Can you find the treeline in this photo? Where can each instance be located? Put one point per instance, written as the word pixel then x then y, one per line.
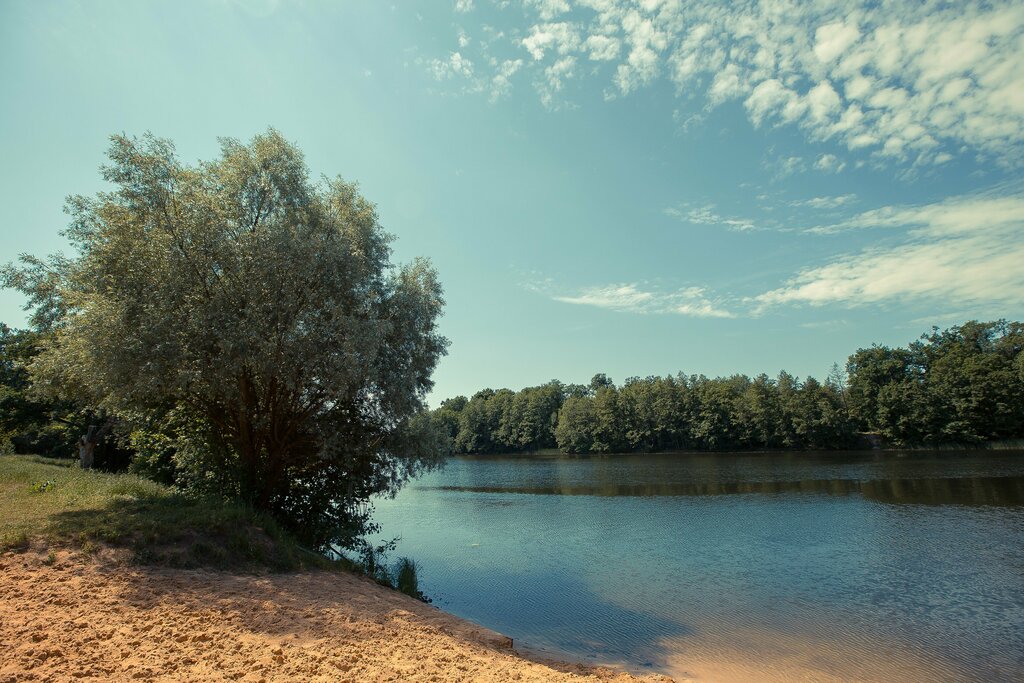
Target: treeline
pixel 964 385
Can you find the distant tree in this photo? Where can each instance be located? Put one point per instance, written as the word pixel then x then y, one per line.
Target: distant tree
pixel 639 422
pixel 474 425
pixel 759 416
pixel 973 385
pixel 502 421
pixel 455 404
pixel 600 381
pixel 869 370
pixel 837 380
pixel 962 385
pixel 575 390
pixel 258 315
pixel 448 415
pixel 609 432
pixel 714 425
pixel 577 424
pixel 820 420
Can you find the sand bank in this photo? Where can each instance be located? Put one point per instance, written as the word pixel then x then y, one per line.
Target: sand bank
pixel 81 619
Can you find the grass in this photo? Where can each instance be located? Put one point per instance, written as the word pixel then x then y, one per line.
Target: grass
pixel 55 503
pixel 406 579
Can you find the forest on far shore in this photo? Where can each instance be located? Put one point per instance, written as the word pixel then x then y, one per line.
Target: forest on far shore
pixel 963 386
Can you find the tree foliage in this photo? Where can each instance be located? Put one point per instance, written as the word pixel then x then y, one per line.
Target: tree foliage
pixel 251 317
pixel 27 422
pixel 651 414
pixel 963 385
pixel 38 422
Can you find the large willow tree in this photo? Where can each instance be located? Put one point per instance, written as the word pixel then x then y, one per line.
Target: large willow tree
pixel 255 316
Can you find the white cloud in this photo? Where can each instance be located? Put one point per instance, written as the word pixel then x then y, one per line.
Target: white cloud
pixel 563 38
pixel 829 163
pixel 603 48
pixel 957 215
pixel 771 98
pixel 963 251
pixel 823 102
pixel 630 298
pixel 555 77
pixel 825 202
pixel 501 82
pixel 908 81
pixel 784 166
pixel 706 215
pixel 463 6
pixel 831 40
pixel 616 297
pixel 646 42
pixel 455 65
pixel 549 9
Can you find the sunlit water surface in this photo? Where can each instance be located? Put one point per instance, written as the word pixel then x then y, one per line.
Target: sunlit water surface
pixel 769 567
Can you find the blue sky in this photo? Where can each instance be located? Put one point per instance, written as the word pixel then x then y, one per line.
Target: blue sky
pixel 605 186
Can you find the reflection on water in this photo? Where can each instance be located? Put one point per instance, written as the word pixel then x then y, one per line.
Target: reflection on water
pixel 974 491
pixel 854 566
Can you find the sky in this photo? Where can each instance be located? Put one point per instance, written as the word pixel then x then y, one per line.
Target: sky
pixel 629 187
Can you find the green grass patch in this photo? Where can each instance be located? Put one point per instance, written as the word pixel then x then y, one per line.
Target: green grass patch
pixel 57 503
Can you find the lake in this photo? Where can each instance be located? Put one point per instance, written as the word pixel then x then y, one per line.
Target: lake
pixel 868 566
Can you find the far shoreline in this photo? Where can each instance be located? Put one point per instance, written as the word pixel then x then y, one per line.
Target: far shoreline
pixel 988 447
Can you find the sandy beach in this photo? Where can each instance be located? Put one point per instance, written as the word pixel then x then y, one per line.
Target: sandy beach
pixel 76 618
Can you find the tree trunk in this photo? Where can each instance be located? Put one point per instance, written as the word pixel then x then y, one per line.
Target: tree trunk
pixel 87 447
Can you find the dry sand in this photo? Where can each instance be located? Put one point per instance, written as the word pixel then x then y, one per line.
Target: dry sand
pixel 80 619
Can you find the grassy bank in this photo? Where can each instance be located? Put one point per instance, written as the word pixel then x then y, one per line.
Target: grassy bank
pixel 53 502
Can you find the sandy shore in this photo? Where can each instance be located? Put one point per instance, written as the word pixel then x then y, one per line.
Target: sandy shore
pixel 80 619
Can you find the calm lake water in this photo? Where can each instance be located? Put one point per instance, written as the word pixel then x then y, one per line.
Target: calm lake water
pixel 812 566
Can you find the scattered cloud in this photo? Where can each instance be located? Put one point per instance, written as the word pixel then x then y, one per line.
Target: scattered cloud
pixel 907 82
pixel 785 166
pixel 832 40
pixel 971 214
pixel 463 6
pixel 965 252
pixel 555 77
pixel 501 81
pixel 961 251
pixel 455 66
pixel 829 163
pixel 825 202
pixel 549 9
pixel 602 48
pixel 705 215
pixel 625 297
pixel 561 39
pixel 631 298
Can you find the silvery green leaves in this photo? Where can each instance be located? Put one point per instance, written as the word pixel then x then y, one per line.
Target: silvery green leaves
pixel 242 296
